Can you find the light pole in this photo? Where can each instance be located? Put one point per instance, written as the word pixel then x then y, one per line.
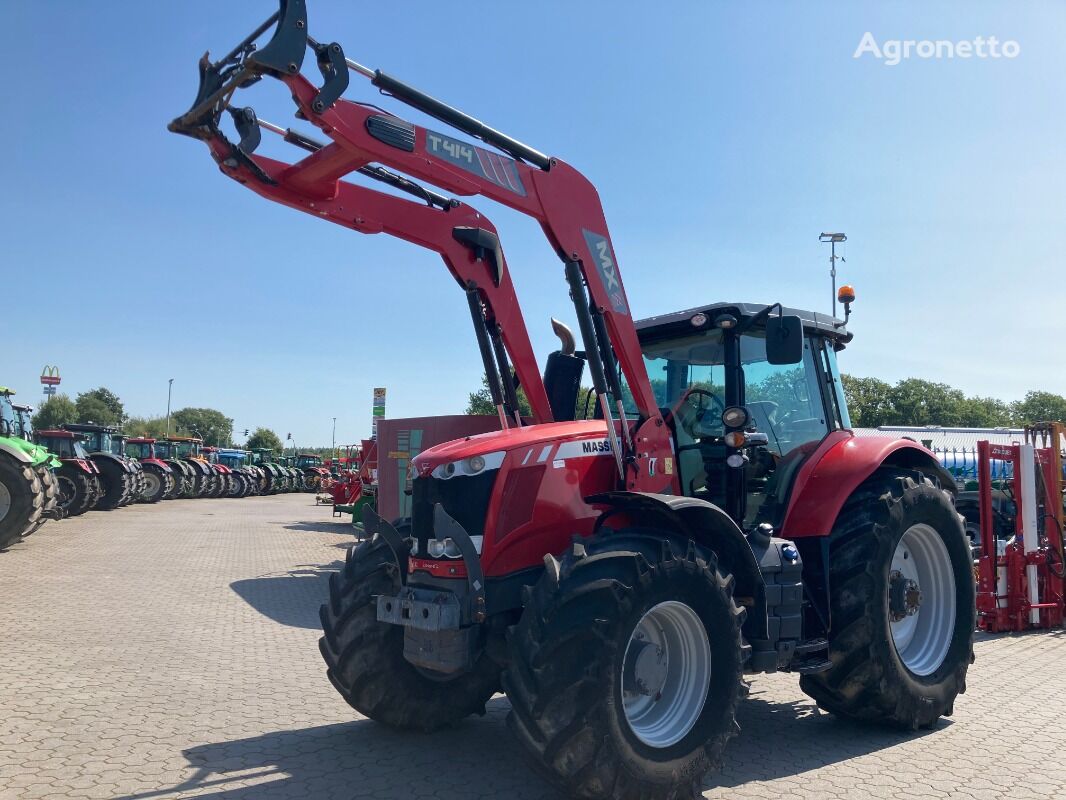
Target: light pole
pixel 833 238
pixel 333 449
pixel 170 386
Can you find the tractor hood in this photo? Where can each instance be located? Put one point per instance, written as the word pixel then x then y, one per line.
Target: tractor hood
pixel 526 439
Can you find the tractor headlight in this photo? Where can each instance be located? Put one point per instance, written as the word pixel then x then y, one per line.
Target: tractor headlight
pixel 735 417
pixel 736 460
pixel 449 548
pixel 474 465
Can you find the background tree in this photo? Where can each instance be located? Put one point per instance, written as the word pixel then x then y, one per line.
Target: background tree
pixel 480 402
pixel 55 412
pixel 154 427
pixel 1039 407
pixel 869 401
pixel 263 437
pixel 214 426
pixel 101 406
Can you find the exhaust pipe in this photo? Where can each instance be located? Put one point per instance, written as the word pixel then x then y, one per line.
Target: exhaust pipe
pixel 567 343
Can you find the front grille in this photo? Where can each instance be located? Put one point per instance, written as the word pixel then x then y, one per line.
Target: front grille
pixel 465 498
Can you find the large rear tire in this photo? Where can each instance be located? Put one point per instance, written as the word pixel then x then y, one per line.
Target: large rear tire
pixel 364 657
pixel 902 608
pixel 627 667
pixel 77 490
pixel 21 499
pixel 157 484
pixel 116 486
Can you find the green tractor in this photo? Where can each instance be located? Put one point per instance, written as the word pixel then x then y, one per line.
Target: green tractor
pixel 28 492
pixel 205 480
pixel 277 478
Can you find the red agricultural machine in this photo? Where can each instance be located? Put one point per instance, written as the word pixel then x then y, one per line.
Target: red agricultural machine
pixel 356 484
pixel 618 576
pixel 162 478
pixel 1021 581
pixel 78 480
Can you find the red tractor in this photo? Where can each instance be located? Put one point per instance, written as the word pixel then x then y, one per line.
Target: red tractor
pixel 78 480
pixel 161 479
pixel 618 576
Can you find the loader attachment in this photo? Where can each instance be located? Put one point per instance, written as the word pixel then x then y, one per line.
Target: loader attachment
pixel 364 137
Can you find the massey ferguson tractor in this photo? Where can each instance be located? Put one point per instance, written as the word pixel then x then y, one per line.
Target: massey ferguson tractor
pixel 618 576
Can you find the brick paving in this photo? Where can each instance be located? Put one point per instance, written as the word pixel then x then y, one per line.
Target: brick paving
pixel 170 651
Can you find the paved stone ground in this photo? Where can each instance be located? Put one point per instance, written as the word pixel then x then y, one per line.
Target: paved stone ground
pixel 171 651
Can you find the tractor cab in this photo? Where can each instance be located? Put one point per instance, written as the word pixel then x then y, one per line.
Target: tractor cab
pixel 234 459
pixel 65 444
pixel 98 438
pixel 8 417
pixel 185 447
pixel 305 460
pixel 141 448
pixel 749 392
pixel 23 421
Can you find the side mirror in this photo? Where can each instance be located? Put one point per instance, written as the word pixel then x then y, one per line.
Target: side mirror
pixel 784 340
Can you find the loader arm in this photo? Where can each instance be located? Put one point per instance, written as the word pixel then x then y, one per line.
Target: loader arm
pixel 558 196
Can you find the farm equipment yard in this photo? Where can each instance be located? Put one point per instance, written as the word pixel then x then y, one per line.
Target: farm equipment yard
pixel 202 679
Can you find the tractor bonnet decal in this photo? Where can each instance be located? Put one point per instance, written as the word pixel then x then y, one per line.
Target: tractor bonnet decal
pixel 499 169
pixel 584 448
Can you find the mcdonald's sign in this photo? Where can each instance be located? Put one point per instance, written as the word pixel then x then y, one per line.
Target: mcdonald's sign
pixel 50 375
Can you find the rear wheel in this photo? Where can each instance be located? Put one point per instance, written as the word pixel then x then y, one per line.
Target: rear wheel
pixel 626 668
pixel 21 499
pixel 364 657
pixel 116 486
pixel 902 605
pixel 77 490
pixel 156 484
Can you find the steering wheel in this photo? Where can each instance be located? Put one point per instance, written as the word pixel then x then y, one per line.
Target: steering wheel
pixel 696 412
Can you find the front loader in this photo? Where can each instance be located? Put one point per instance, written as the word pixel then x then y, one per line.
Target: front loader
pixel 616 576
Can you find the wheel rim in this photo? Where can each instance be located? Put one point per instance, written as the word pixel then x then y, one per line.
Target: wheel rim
pixel 151 483
pixel 666 672
pixel 5 501
pixel 922 603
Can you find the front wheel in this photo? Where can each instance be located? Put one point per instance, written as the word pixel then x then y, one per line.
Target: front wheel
pixel 364 657
pixel 902 605
pixel 77 490
pixel 627 668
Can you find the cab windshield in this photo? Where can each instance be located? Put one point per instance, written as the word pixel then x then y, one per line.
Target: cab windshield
pixel 138 451
pixel 785 402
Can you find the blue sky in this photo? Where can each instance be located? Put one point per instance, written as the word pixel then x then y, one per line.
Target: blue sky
pixel 723 137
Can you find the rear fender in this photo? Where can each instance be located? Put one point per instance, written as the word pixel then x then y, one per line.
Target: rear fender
pixel 15 452
pixel 119 462
pixel 157 462
pixel 709 527
pixel 837 468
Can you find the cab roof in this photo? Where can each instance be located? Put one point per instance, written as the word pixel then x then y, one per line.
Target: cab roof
pixel 813 322
pixel 90 427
